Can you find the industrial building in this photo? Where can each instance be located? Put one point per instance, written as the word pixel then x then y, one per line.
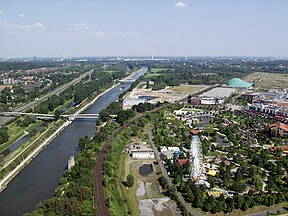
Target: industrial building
pixel 216 95
pixel 141 151
pixel 143 155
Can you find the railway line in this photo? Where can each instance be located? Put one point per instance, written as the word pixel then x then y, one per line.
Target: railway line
pixel 101 204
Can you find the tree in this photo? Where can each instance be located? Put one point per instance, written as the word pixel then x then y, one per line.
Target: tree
pixel 238 175
pixel 190 195
pixel 238 187
pixel 209 129
pixel 129 180
pixel 178 179
pixel 258 183
pixel 279 152
pixel 4 135
pixel 189 99
pixel 58 114
pixel 84 141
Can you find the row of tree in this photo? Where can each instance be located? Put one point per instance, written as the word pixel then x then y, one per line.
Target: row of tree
pixel 4 136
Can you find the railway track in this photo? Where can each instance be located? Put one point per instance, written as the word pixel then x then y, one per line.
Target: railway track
pixel 101 204
pixel 99 190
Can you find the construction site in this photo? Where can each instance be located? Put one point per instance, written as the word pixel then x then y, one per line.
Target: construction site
pixel 141 94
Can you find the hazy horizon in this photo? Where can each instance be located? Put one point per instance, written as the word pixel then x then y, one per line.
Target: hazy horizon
pixel 206 28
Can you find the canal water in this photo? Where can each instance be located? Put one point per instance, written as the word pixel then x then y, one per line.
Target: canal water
pixel 40 178
pixel 23 139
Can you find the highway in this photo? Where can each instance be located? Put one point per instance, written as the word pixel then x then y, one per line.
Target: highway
pixel 4 120
pixel 164 172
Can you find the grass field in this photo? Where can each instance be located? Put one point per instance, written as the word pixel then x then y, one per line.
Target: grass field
pixel 268 80
pixel 149 75
pixel 157 70
pixel 16 132
pixel 183 89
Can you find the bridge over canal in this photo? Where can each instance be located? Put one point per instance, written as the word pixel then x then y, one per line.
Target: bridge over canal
pixel 51 116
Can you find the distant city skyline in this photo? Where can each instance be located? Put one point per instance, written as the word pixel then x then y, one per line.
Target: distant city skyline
pixel 143 28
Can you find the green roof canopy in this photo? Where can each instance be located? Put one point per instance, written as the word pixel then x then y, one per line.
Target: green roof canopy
pixel 236 82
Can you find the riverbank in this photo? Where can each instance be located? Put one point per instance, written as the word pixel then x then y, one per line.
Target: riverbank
pixel 8 177
pixel 5 181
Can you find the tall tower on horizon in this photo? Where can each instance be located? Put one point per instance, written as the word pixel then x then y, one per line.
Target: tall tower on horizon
pixel 152 57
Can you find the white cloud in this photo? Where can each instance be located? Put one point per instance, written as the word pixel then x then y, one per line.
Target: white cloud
pixel 182 27
pixel 100 34
pixel 180 5
pixel 121 34
pixel 21 15
pixel 83 30
pixel 36 25
pixel 79 27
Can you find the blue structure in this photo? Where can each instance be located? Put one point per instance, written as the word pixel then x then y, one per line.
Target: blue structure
pixel 238 83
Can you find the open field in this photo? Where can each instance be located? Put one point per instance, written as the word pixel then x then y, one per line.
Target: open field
pixel 170 94
pixel 186 88
pixel 268 80
pixel 253 77
pixel 149 75
pixel 157 70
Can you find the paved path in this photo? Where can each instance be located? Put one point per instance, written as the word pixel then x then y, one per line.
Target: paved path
pixel 164 172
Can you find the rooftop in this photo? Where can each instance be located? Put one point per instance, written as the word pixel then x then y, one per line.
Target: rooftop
pixel 238 83
pixel 279 125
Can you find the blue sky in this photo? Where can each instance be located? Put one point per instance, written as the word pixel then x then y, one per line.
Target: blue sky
pixel 135 27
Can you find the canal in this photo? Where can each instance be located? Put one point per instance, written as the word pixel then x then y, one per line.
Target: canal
pixel 40 178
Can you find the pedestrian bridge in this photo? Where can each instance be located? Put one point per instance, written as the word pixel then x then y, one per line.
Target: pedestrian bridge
pixel 129 80
pixel 81 116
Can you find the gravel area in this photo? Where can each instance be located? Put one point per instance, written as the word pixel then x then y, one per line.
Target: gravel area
pixel 141 189
pixel 147 206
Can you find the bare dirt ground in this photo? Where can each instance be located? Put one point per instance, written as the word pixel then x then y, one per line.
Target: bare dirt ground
pixel 170 94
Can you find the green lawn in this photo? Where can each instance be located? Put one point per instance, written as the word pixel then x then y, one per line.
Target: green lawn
pixel 156 70
pixel 149 75
pixel 16 132
pixel 62 106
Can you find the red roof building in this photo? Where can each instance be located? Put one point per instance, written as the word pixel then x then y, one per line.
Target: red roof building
pixel 284 148
pixel 280 128
pixel 182 162
pixel 193 131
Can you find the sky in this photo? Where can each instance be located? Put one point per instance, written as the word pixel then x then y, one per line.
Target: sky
pixel 63 28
